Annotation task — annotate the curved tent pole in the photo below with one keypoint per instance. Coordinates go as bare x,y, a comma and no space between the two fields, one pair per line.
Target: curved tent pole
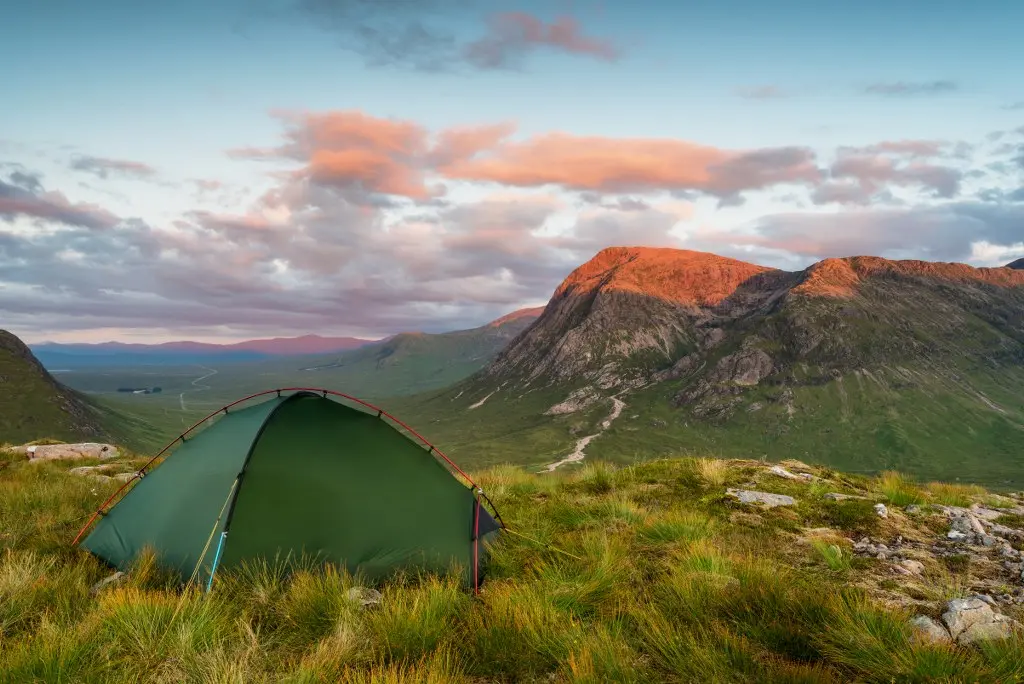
381,413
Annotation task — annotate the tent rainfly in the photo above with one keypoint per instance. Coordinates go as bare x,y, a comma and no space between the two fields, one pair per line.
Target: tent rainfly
299,474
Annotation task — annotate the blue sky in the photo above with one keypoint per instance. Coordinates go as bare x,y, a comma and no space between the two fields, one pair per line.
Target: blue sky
776,124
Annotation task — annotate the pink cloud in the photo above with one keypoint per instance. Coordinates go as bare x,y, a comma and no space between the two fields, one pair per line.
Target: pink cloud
512,34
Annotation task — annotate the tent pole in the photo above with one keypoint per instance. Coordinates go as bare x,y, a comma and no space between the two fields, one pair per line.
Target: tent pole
216,559
476,545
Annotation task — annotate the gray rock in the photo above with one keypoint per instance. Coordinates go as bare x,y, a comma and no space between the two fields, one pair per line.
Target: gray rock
967,524
881,510
912,567
984,513
746,496
1005,532
972,619
116,578
912,509
986,598
836,496
955,535
364,596
929,631
53,452
783,473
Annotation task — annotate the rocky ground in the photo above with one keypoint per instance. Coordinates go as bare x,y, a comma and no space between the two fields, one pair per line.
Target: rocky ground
976,546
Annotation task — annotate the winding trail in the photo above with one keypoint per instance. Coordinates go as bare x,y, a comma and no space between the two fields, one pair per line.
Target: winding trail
581,444
198,387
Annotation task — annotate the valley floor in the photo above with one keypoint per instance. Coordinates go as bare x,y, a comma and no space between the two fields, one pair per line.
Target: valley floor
648,573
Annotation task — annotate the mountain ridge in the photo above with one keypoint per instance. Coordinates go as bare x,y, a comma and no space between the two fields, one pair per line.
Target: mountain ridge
861,363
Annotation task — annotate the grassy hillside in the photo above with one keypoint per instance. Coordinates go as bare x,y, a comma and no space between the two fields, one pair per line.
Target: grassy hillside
650,573
34,406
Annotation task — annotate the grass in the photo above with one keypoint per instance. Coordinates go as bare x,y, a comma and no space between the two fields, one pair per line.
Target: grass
633,574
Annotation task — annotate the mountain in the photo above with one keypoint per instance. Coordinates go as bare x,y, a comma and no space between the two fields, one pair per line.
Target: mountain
63,356
404,364
861,363
1018,264
35,406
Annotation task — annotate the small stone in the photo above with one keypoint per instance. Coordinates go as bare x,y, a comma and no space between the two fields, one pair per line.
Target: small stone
912,567
783,473
986,598
955,535
116,578
929,631
837,496
764,498
881,510
364,596
912,509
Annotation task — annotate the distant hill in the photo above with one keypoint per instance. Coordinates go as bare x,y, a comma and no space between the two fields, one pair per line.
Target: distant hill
1018,264
860,362
66,356
35,406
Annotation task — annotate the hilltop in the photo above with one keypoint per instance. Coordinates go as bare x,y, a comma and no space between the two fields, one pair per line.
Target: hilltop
1018,264
862,363
33,405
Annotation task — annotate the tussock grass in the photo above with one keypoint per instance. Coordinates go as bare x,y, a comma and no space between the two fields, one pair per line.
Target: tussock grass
712,472
624,574
950,494
899,490
832,555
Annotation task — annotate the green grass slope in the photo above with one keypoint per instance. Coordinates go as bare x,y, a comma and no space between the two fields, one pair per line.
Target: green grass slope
35,406
649,573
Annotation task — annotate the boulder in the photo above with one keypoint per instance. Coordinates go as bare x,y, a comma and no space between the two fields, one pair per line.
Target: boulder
746,496
53,452
929,631
881,510
971,620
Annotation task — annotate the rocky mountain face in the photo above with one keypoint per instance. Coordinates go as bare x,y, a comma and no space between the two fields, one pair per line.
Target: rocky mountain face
715,327
33,405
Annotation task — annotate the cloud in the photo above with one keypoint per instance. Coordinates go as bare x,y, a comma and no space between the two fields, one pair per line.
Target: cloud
1014,106
634,165
23,196
764,92
864,175
945,233
104,168
398,158
416,34
513,35
308,256
911,88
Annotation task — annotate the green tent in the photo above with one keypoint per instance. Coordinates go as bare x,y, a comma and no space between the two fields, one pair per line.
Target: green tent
299,473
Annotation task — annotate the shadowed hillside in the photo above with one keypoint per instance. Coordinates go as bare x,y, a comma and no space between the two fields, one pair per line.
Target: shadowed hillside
35,406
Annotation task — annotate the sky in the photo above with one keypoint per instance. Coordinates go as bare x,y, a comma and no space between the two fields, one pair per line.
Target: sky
247,168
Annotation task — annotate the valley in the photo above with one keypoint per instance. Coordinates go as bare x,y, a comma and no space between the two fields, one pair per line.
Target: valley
860,364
